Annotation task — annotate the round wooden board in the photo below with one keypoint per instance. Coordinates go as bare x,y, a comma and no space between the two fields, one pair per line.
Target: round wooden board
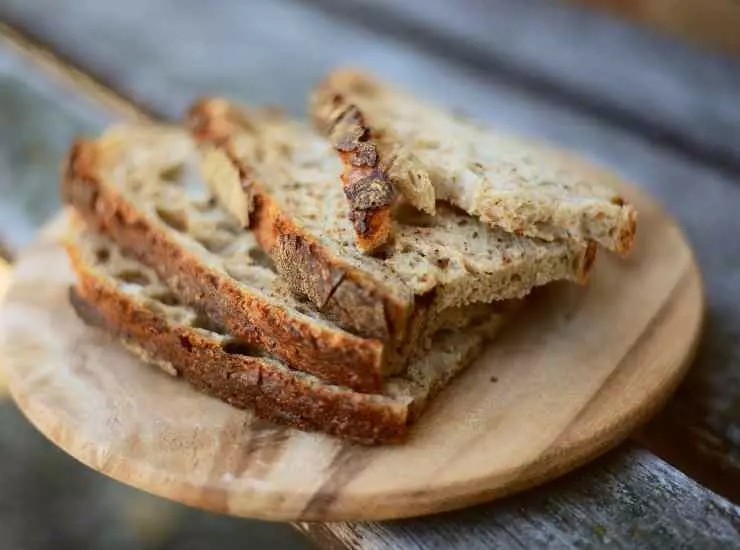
570,377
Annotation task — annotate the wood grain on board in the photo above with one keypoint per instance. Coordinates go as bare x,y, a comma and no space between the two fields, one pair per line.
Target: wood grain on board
575,373
147,51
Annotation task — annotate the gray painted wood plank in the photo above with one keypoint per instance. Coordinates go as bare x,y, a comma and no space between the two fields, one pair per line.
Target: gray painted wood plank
166,53
38,121
651,83
629,500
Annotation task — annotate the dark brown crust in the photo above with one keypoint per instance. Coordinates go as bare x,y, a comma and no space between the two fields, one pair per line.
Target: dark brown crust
587,261
242,381
369,192
368,188
307,266
627,233
310,269
339,357
338,112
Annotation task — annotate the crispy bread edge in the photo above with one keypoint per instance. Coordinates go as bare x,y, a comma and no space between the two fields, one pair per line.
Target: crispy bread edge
308,267
334,355
244,381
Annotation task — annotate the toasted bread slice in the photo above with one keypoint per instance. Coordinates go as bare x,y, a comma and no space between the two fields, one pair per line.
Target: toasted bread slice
299,215
140,186
126,298
431,154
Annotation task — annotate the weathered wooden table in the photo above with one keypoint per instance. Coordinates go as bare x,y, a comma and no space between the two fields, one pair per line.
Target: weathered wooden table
659,112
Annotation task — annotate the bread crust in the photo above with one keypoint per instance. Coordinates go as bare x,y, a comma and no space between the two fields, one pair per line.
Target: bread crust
349,295
330,353
254,383
116,292
612,224
309,267
369,191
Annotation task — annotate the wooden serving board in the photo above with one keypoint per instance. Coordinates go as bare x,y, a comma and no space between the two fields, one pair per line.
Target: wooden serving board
570,377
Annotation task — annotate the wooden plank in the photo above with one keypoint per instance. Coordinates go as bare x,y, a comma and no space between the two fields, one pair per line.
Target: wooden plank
65,75
39,120
155,58
653,85
4,280
712,23
629,500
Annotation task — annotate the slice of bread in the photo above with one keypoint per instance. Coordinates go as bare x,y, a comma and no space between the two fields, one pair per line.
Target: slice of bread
299,214
140,186
430,154
126,298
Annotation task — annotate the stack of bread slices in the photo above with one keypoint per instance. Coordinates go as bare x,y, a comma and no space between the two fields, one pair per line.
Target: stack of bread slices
333,276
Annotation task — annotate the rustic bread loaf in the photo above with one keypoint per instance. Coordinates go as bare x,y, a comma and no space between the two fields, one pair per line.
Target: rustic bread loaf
140,186
288,175
126,298
430,154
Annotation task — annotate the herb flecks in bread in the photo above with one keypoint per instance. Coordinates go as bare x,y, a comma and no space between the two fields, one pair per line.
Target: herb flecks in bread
301,219
522,187
369,193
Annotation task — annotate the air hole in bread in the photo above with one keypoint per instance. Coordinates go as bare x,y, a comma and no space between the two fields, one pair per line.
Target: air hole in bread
102,255
259,153
155,307
303,306
242,271
259,257
207,205
167,298
238,347
229,226
408,215
176,219
172,174
133,276
204,322
186,343
213,243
